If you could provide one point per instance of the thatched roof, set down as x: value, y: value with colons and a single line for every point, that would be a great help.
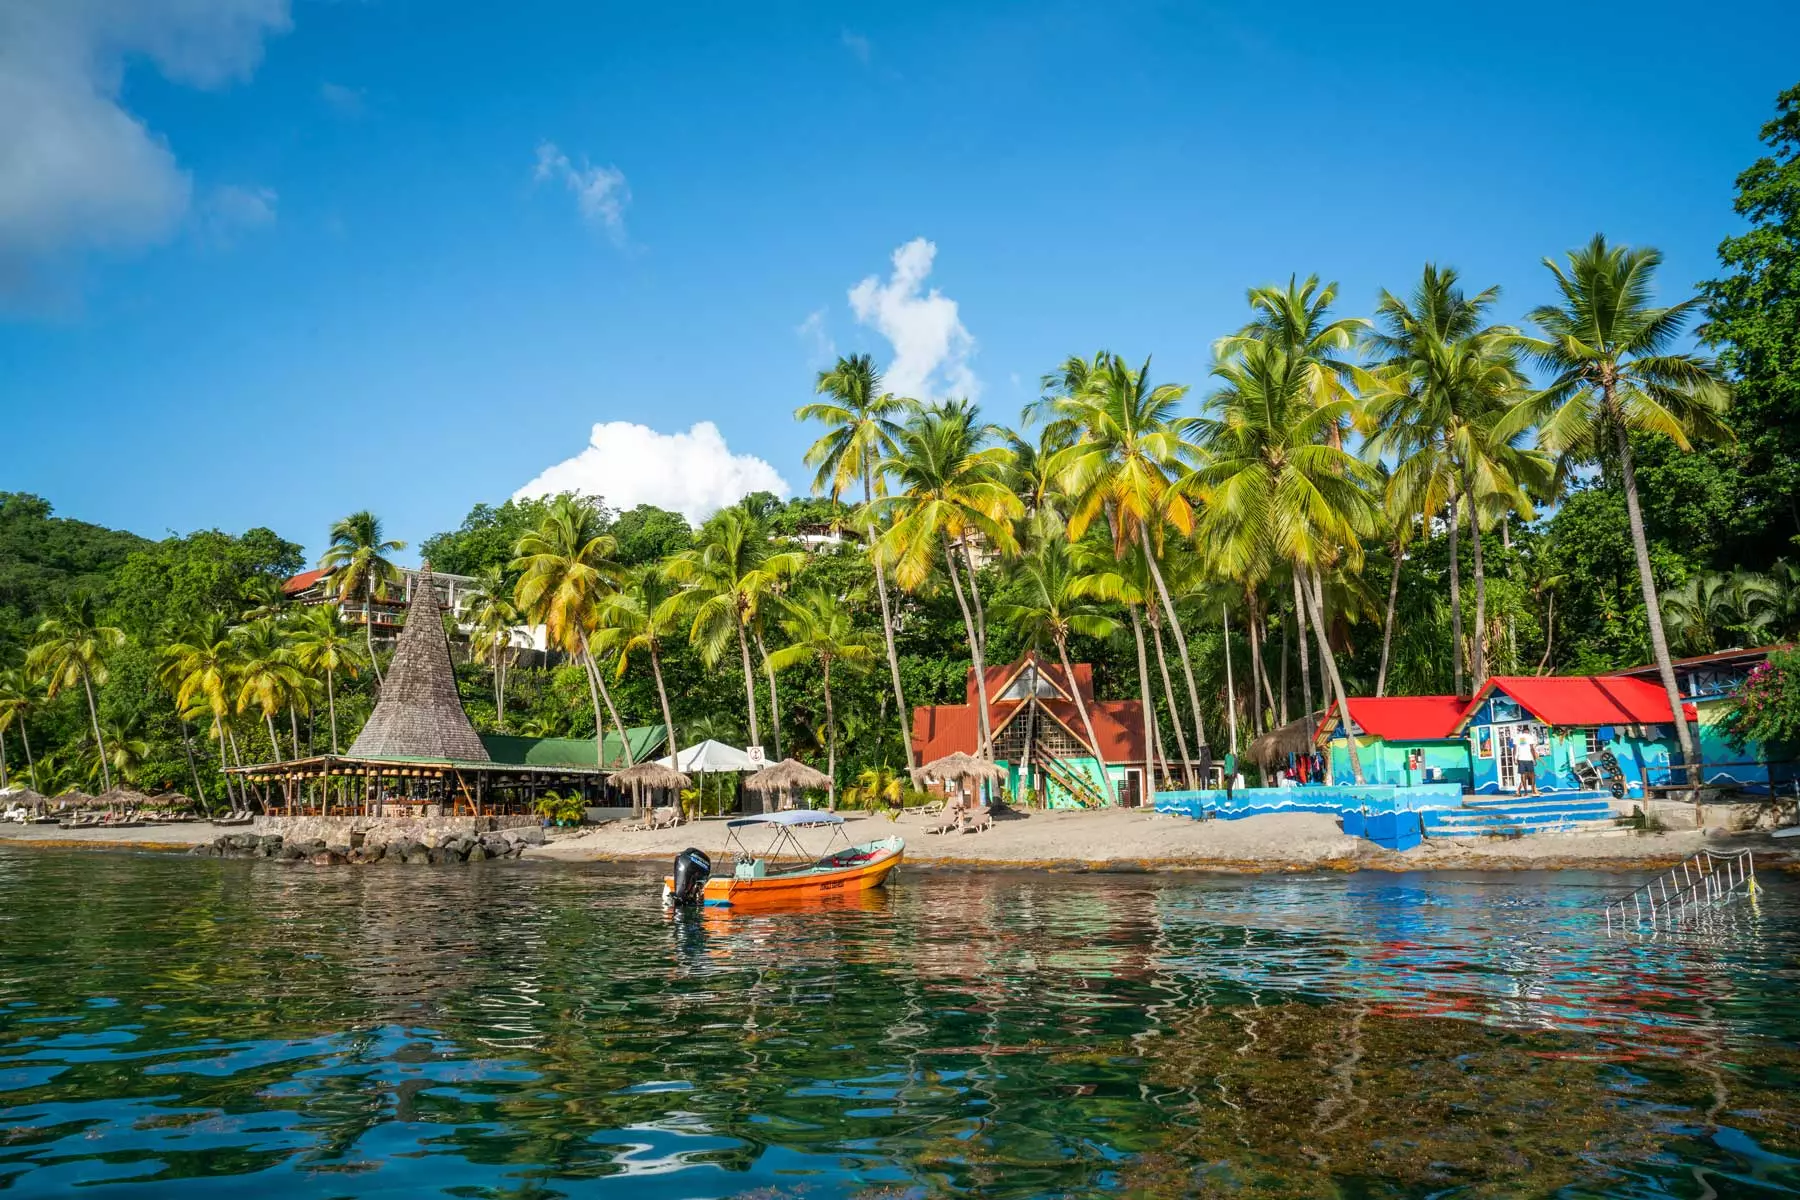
x: 1296, y: 737
x: 954, y: 768
x: 124, y: 797
x: 72, y: 796
x: 170, y: 799
x: 788, y: 775
x: 419, y: 714
x: 24, y: 796
x: 651, y: 774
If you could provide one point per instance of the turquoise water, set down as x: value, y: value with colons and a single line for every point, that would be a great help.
x: 183, y: 1027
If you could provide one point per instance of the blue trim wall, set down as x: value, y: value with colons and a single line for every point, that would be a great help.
x: 1390, y: 816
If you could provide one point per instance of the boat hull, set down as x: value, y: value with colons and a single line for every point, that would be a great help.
x: 861, y: 869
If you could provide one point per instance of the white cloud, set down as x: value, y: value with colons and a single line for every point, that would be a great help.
x: 345, y: 101
x: 821, y: 349
x: 601, y: 193
x: 857, y: 45
x: 80, y: 171
x: 931, y: 347
x: 627, y: 464
x: 232, y: 209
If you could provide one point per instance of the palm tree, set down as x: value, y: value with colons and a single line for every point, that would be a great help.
x: 73, y: 648
x: 494, y: 616
x: 267, y: 677
x: 1276, y: 490
x: 1607, y: 347
x: 200, y: 668
x: 1442, y: 382
x: 567, y: 568
x: 19, y: 695
x: 1127, y: 582
x: 638, y: 617
x: 1053, y: 600
x: 1128, y: 456
x: 322, y: 645
x: 951, y: 493
x: 356, y: 564
x: 725, y: 579
x: 877, y: 786
x: 861, y: 428
x: 126, y: 749
x: 820, y: 629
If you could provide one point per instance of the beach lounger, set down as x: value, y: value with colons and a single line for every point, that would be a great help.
x: 665, y: 818
x: 978, y: 820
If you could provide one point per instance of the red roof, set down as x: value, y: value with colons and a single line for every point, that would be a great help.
x: 1401, y: 718
x: 1566, y: 700
x: 940, y: 729
x: 301, y: 582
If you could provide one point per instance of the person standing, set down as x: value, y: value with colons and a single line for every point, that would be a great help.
x: 1525, y: 755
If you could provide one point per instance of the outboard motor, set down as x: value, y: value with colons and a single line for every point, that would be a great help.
x: 692, y: 870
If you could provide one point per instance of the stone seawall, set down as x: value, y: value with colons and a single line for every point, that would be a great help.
x: 327, y: 841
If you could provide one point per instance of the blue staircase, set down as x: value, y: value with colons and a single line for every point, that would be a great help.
x: 1514, y: 816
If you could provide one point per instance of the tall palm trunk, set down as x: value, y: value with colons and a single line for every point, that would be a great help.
x: 597, y: 684
x: 1456, y: 622
x: 1187, y: 666
x: 187, y: 746
x: 1659, y: 642
x: 976, y: 660
x: 1315, y: 595
x: 749, y: 679
x: 1162, y: 667
x: 774, y: 696
x: 224, y: 763
x: 87, y: 686
x: 662, y: 696
x: 887, y: 633
x: 1286, y: 647
x: 1387, y: 622
x: 1147, y: 797
x: 331, y: 703
x: 1231, y: 703
x: 975, y: 597
x: 274, y: 746
x: 5, y: 782
x: 294, y: 728
x: 369, y: 627
x: 1300, y: 624
x: 30, y: 763
x: 1258, y: 626
x: 1549, y: 631
x: 830, y: 737
x: 1087, y: 722
x: 1480, y: 645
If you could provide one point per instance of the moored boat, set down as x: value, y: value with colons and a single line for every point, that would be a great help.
x: 785, y: 872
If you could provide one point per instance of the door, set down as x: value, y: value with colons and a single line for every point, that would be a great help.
x: 1506, y: 762
x: 1132, y: 794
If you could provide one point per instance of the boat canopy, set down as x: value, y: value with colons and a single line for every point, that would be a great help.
x: 793, y: 816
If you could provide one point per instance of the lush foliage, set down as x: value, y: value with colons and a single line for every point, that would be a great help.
x: 1768, y: 706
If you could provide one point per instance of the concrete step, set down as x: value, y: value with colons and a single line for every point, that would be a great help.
x: 1573, y: 812
x: 1550, y: 800
x: 1607, y: 828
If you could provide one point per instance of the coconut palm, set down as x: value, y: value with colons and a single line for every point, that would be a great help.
x: 1440, y: 387
x: 638, y: 617
x: 126, y: 749
x: 199, y: 667
x: 821, y: 630
x: 322, y: 645
x: 862, y: 423
x: 493, y: 617
x: 951, y: 493
x: 725, y: 579
x: 1276, y: 490
x: 19, y: 697
x: 566, y: 569
x: 268, y: 678
x: 1295, y: 319
x: 356, y: 564
x: 1052, y: 600
x: 877, y: 787
x: 1607, y: 347
x: 1715, y: 605
x: 1126, y: 582
x: 1128, y: 455
x: 71, y: 649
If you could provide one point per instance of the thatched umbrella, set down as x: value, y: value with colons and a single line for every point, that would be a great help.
x: 26, y: 798
x: 171, y: 801
x: 787, y: 776
x: 960, y: 769
x: 74, y: 799
x: 650, y: 774
x: 1270, y: 750
x: 124, y: 797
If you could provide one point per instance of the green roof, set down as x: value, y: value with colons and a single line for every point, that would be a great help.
x: 572, y: 752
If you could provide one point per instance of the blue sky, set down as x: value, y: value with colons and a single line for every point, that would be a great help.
x: 265, y: 263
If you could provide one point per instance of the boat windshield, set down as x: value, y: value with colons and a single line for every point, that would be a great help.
x: 785, y: 847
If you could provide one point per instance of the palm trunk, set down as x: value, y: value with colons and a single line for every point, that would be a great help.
x: 662, y: 696
x: 1148, y: 796
x: 1549, y: 631
x: 331, y: 702
x: 274, y: 746
x: 1286, y: 648
x: 1230, y: 685
x: 1300, y: 624
x: 976, y: 661
x: 1659, y: 642
x: 99, y: 744
x: 1187, y: 666
x: 749, y: 679
x: 1387, y: 623
x: 187, y: 746
x: 774, y: 696
x: 596, y: 683
x: 975, y: 598
x: 1162, y: 666
x: 5, y: 782
x: 1087, y: 722
x: 294, y: 728
x: 369, y: 628
x: 887, y: 635
x: 1456, y: 625
x: 1328, y: 662
x: 830, y: 739
x: 1480, y: 647
x: 1258, y: 631
x: 224, y: 763
x: 30, y: 763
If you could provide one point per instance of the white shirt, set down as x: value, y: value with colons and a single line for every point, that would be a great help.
x: 1525, y: 748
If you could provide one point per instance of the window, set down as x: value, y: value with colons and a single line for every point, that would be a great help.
x: 1592, y: 738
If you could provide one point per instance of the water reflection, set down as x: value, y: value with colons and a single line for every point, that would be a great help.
x: 529, y: 1029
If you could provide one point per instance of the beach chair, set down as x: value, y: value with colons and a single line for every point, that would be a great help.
x: 948, y: 819
x: 978, y: 819
x: 665, y: 818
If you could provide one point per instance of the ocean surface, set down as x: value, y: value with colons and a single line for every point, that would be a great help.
x: 188, y: 1027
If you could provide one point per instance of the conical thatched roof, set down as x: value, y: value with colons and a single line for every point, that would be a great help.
x: 124, y: 797
x: 72, y: 796
x: 785, y: 776
x: 954, y: 768
x: 651, y: 774
x: 24, y: 796
x: 419, y: 714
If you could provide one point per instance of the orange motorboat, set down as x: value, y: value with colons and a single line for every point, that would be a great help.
x: 785, y: 872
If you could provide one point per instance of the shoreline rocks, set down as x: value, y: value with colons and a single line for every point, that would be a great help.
x: 445, y: 847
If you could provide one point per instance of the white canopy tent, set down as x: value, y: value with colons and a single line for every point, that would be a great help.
x: 714, y: 756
